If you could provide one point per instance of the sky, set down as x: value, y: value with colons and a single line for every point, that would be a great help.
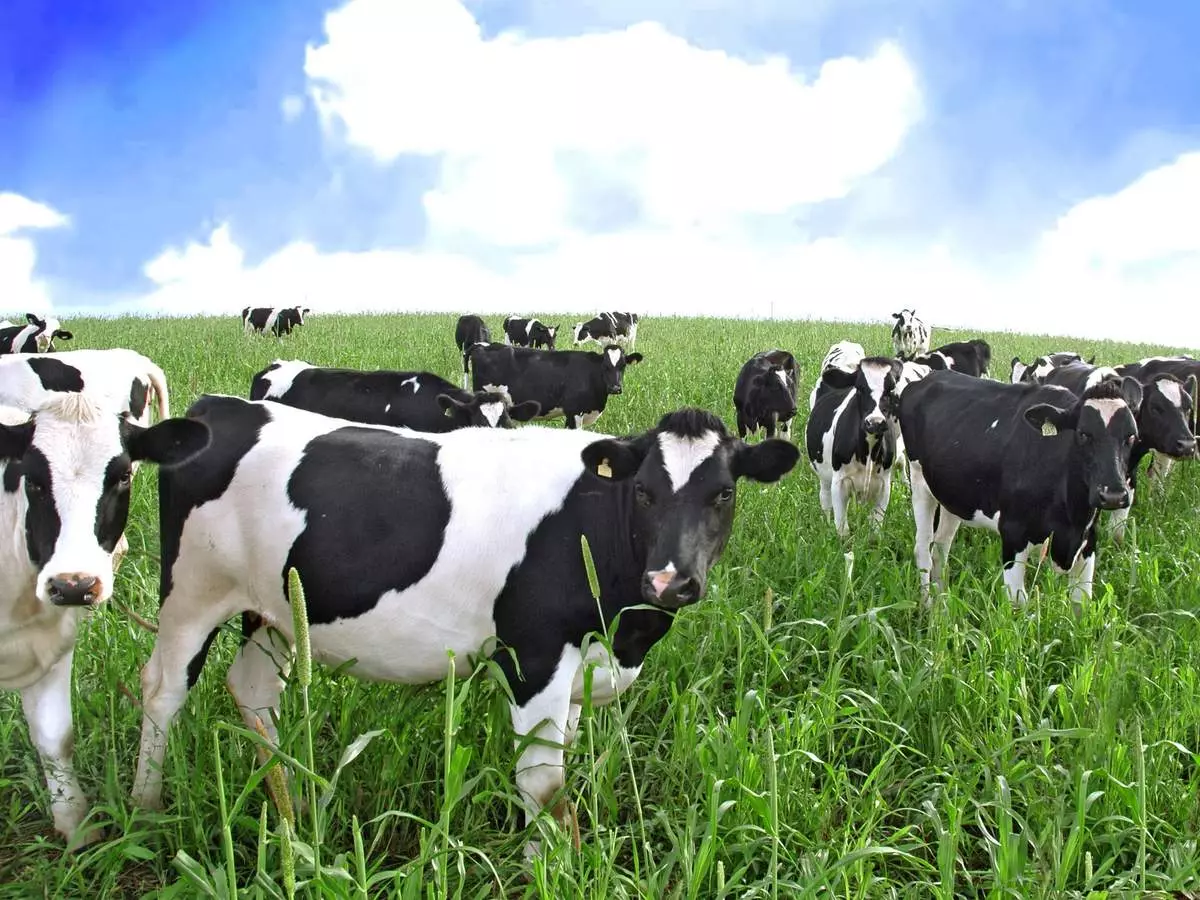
x: 1017, y: 165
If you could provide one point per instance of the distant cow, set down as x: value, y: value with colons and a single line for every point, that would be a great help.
x: 969, y: 357
x: 1031, y: 461
x: 66, y: 465
x: 419, y: 552
x: 570, y: 383
x: 765, y: 393
x: 469, y: 331
x: 601, y: 328
x: 910, y: 335
x: 1037, y: 369
x: 418, y: 400
x: 1183, y: 368
x: 37, y: 336
x: 278, y: 320
x: 851, y: 436
x: 529, y: 333
x: 844, y: 355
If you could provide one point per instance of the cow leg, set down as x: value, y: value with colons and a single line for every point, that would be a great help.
x: 1159, y: 467
x: 943, y: 538
x: 825, y: 492
x: 1080, y: 580
x: 466, y: 372
x: 840, y: 498
x: 925, y: 509
x: 572, y: 420
x: 256, y: 679
x: 741, y: 425
x: 1014, y: 573
x: 47, y: 706
x: 772, y: 421
x: 545, y: 716
x: 883, y: 495
x: 1118, y: 520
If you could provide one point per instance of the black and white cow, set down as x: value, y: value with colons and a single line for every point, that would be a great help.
x: 520, y: 332
x: 969, y: 357
x: 850, y: 436
x: 1037, y: 369
x: 278, y: 320
x: 844, y: 355
x: 910, y: 335
x: 469, y: 331
x: 602, y: 329
x: 66, y: 465
x: 407, y: 551
x: 421, y: 401
x: 1164, y: 419
x: 627, y: 327
x: 571, y: 383
x: 1145, y: 370
x: 1030, y: 461
x: 764, y: 394
x: 36, y: 336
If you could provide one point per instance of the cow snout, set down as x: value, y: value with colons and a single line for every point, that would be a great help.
x: 875, y: 424
x: 74, y: 589
x: 670, y: 590
x: 1184, y: 447
x: 1113, y: 499
x: 615, y: 389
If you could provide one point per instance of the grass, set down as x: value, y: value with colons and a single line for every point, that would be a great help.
x: 803, y: 732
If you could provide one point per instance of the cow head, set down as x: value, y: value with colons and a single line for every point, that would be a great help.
x: 51, y: 328
x: 549, y: 334
x: 1103, y: 426
x: 680, y: 478
x: 773, y: 390
x: 614, y: 361
x: 1165, y: 420
x: 874, y: 382
x: 71, y: 464
x: 984, y: 351
x: 488, y: 409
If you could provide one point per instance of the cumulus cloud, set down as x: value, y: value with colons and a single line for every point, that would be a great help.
x: 20, y: 289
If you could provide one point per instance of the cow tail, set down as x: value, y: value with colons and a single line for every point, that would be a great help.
x: 158, y: 381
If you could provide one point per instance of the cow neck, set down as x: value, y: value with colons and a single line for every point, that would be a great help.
x: 1072, y: 493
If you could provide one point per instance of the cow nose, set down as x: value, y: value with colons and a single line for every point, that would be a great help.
x: 616, y: 389
x: 874, y: 425
x: 1110, y: 499
x: 1185, y: 447
x: 75, y: 589
x: 670, y: 590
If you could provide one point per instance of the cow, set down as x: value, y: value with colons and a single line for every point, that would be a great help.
x: 1183, y: 368
x: 764, y: 394
x: 36, y: 336
x: 844, y: 355
x: 413, y: 561
x: 910, y: 335
x: 66, y: 466
x: 278, y: 320
x: 1030, y: 461
x: 1164, y: 419
x: 520, y: 332
x: 601, y: 328
x: 969, y: 357
x: 469, y: 331
x: 1043, y: 364
x: 421, y: 401
x: 850, y: 437
x: 571, y: 383
x: 627, y: 327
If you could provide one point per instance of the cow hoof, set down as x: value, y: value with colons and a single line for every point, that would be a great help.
x: 86, y: 836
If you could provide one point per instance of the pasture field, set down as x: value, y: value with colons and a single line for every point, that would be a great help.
x: 805, y: 731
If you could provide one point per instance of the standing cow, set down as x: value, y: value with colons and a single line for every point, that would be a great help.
x: 280, y: 321
x: 969, y: 357
x: 408, y: 551
x: 765, y: 393
x: 469, y: 331
x: 910, y: 335
x: 1183, y: 368
x: 37, y: 336
x: 520, y: 332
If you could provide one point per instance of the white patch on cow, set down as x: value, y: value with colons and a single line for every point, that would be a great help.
x: 529, y: 327
x: 279, y: 380
x: 662, y: 579
x: 681, y: 456
x: 388, y: 408
x: 492, y: 412
x: 980, y: 519
x: 271, y: 317
x: 23, y: 335
x: 1098, y: 375
x: 416, y: 385
x: 1172, y: 390
x: 910, y: 372
x: 1107, y: 408
x: 876, y: 376
x: 782, y: 376
x: 995, y: 422
x: 614, y: 356
x: 588, y: 418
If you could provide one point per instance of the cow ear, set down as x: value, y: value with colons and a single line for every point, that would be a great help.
x: 614, y: 458
x: 449, y: 403
x: 839, y: 378
x: 1051, y: 419
x: 1131, y: 390
x: 32, y: 319
x: 171, y: 442
x: 895, y: 315
x: 633, y: 358
x: 15, y: 440
x: 767, y: 461
x: 1092, y: 361
x: 897, y: 370
x: 63, y: 335
x: 1191, y: 386
x: 523, y: 412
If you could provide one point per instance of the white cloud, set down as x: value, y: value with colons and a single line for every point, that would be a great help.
x: 291, y: 107
x: 20, y: 290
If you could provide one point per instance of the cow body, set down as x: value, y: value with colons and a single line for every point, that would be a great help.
x: 764, y: 394
x: 910, y: 335
x: 844, y: 355
x: 570, y: 383
x: 969, y: 357
x: 978, y: 454
x: 607, y: 328
x: 519, y: 332
x: 1037, y: 369
x: 469, y: 331
x: 850, y: 437
x: 279, y: 320
x: 36, y: 336
x: 410, y: 546
x: 418, y: 400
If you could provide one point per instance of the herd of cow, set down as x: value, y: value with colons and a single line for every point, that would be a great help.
x: 422, y: 523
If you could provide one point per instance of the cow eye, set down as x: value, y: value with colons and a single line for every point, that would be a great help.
x: 1084, y: 437
x: 724, y: 495
x: 125, y: 479
x: 643, y: 496
x: 34, y: 487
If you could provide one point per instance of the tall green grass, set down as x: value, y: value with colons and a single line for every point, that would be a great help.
x: 808, y: 730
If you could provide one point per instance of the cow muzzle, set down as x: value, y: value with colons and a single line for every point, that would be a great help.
x: 1112, y: 499
x: 1184, y: 448
x: 670, y: 590
x: 74, y: 589
x: 875, y: 424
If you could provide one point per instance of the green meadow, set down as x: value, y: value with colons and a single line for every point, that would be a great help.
x: 809, y: 730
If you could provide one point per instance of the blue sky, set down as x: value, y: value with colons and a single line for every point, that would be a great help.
x: 961, y: 170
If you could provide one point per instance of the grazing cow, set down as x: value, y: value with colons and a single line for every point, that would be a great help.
x: 37, y: 336
x: 1037, y: 369
x: 278, y: 320
x: 469, y: 331
x: 602, y: 329
x: 421, y: 401
x: 851, y: 436
x: 66, y: 464
x: 1031, y: 461
x: 520, y: 332
x: 910, y: 335
x: 627, y: 326
x: 765, y: 393
x: 571, y: 383
x: 844, y: 355
x: 1164, y: 420
x: 408, y: 552
x: 969, y: 357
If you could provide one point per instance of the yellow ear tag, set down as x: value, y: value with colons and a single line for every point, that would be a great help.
x: 603, y: 469
x: 1048, y: 429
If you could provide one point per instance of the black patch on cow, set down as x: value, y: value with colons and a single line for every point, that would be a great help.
x: 12, y: 477
x: 56, y: 376
x: 112, y: 510
x: 375, y: 492
x: 139, y: 394
x: 42, y: 522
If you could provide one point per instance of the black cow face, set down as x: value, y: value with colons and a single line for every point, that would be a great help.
x: 1104, y: 427
x: 773, y: 390
x: 682, y: 477
x: 488, y: 409
x: 874, y: 383
x: 74, y: 462
x: 1165, y: 419
x: 615, y: 361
